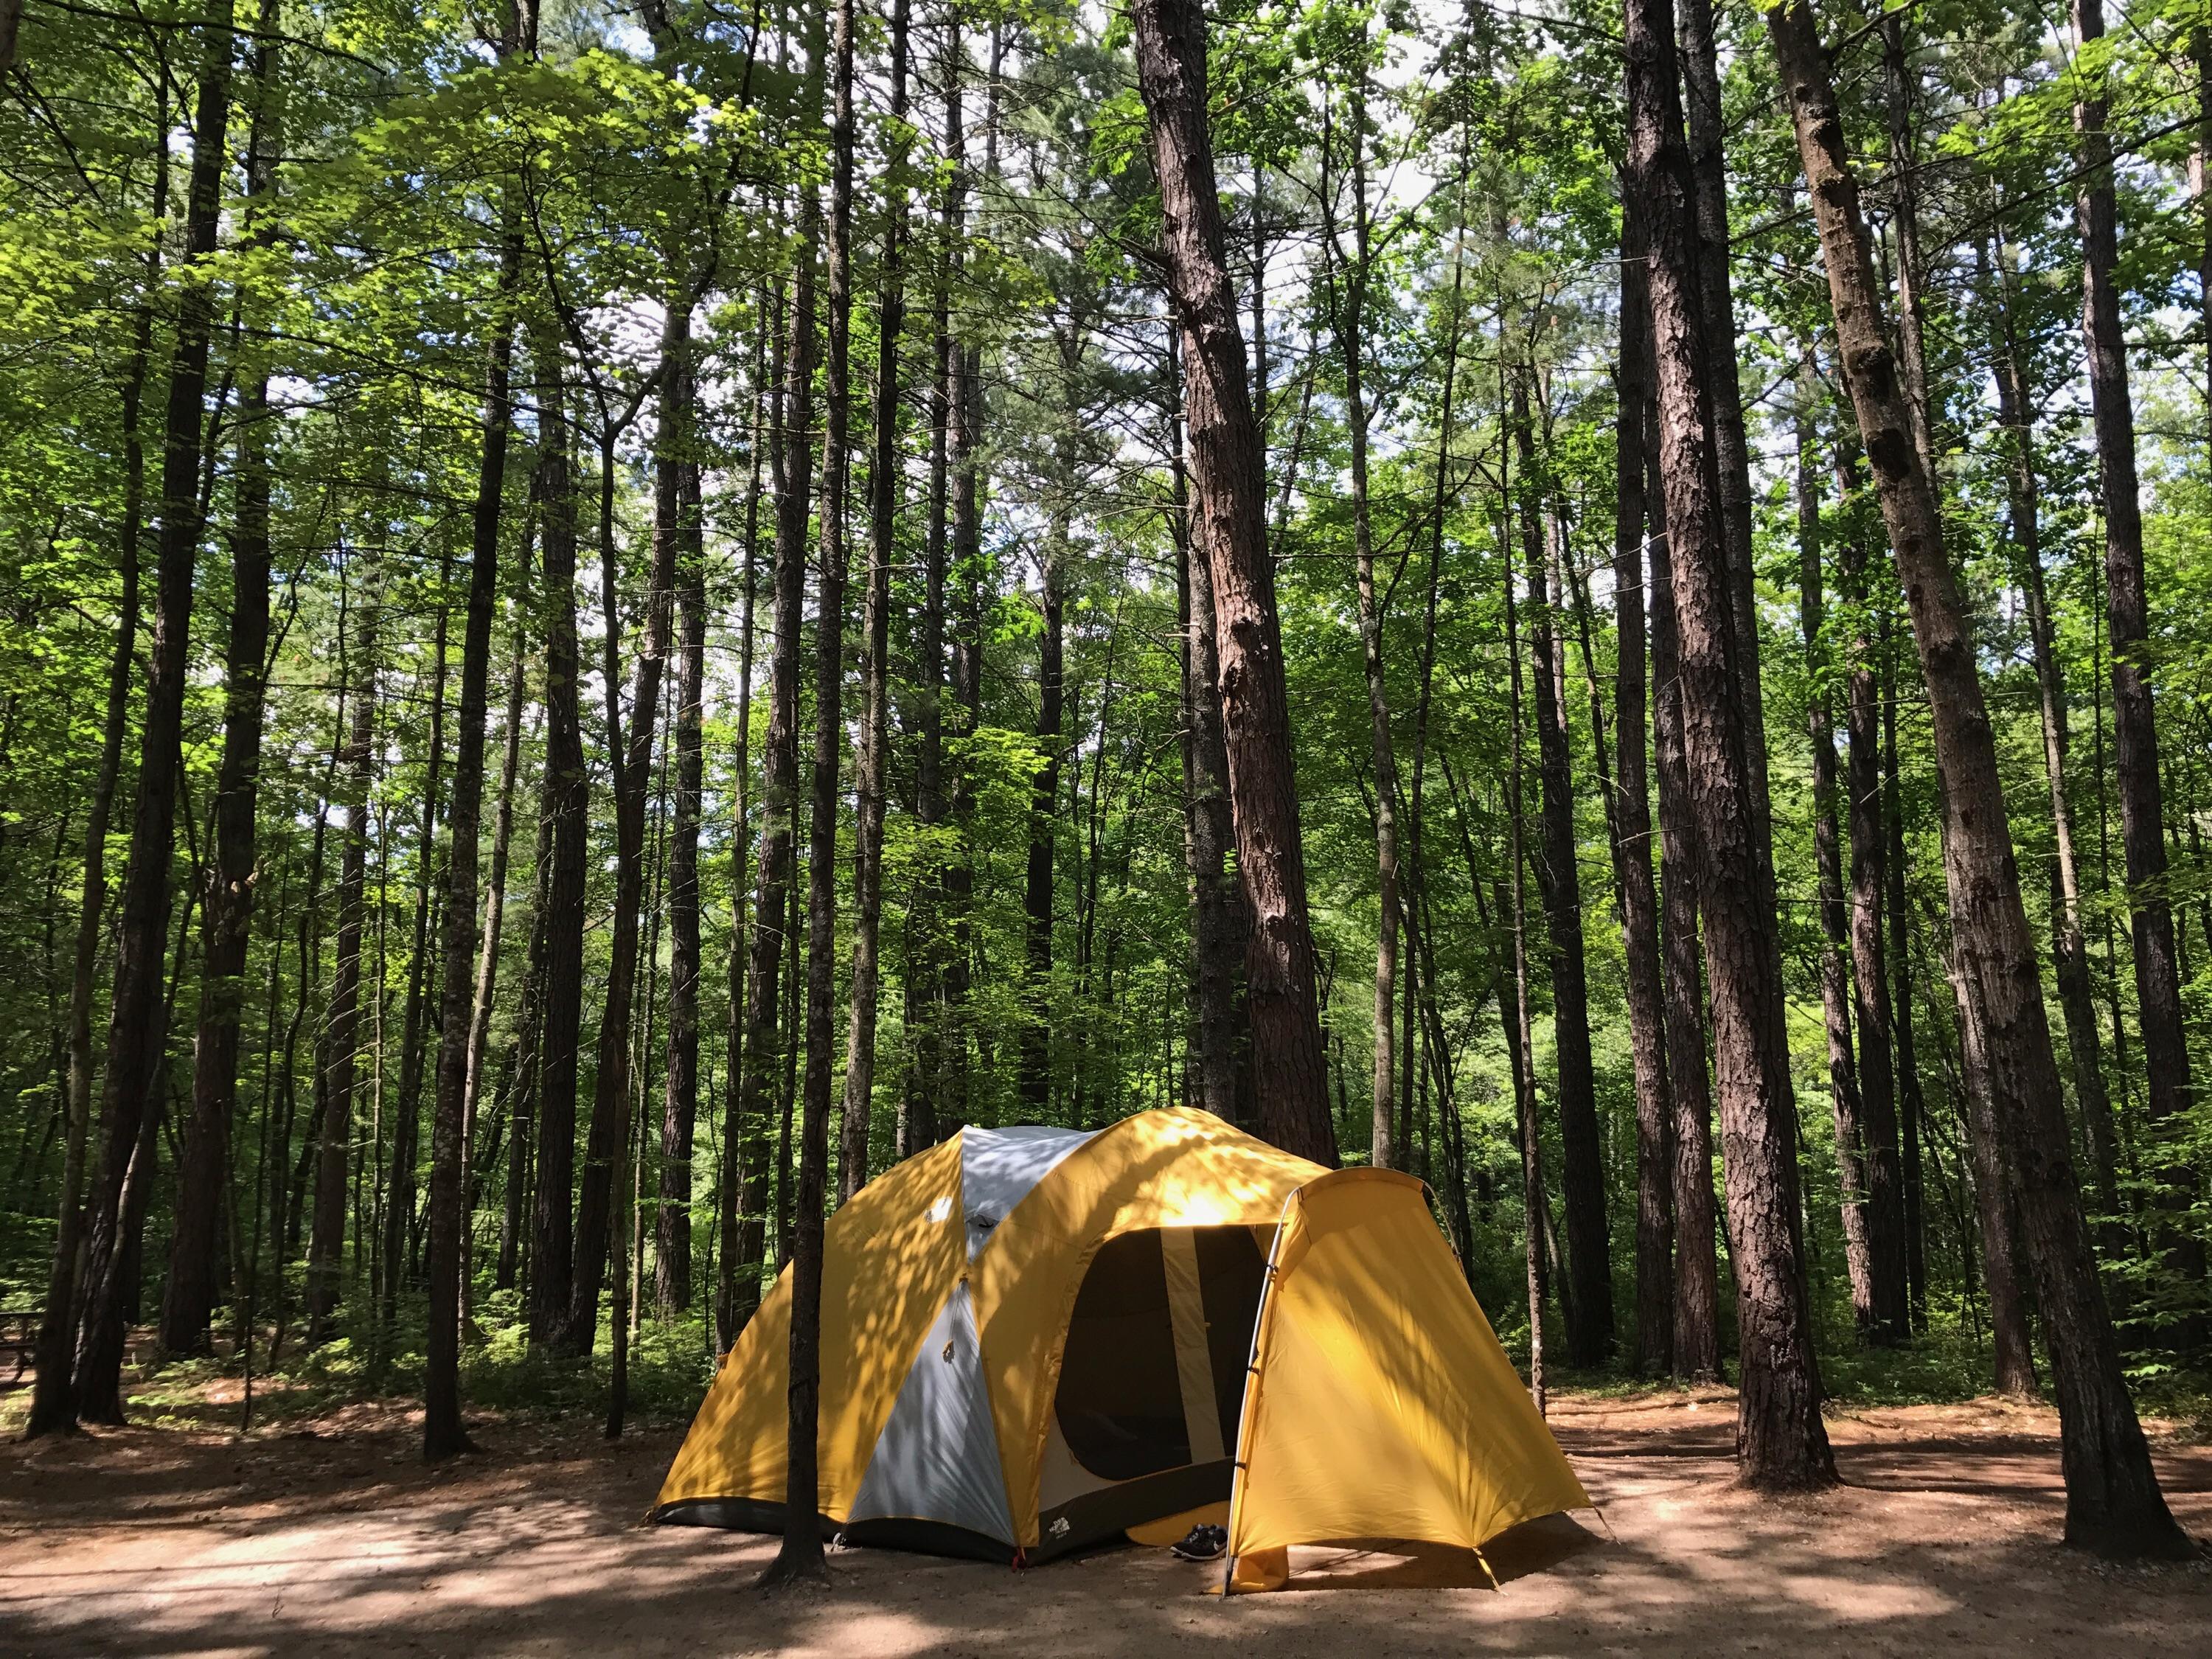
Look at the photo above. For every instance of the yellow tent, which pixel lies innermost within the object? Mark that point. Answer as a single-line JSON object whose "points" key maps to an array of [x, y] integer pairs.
{"points": [[1033, 1338]]}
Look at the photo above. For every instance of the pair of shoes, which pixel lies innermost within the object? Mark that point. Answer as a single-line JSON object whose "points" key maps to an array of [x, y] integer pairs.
{"points": [[1203, 1544]]}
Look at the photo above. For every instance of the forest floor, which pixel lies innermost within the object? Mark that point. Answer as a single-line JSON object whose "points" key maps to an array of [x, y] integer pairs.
{"points": [[331, 1537]]}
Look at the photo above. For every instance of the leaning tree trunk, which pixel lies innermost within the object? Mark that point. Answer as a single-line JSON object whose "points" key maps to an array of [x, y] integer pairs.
{"points": [[1289, 1070], [1631, 842], [2114, 1505], [1780, 1439], [137, 1022], [2135, 726]]}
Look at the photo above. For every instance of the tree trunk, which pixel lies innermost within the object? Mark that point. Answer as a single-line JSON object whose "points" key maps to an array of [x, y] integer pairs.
{"points": [[2114, 1505], [1852, 1141], [1697, 1270], [567, 804], [1631, 822], [734, 1271], [800, 1556], [53, 1399], [203, 1162], [1289, 1072], [779, 763], [1589, 1304], [1780, 1440], [1911, 1109], [1216, 942], [399, 1207], [1708, 186], [1036, 1057], [672, 1251], [1535, 1212], [1887, 1245], [870, 783], [1348, 322], [136, 1023], [2070, 948], [443, 1434], [2135, 727]]}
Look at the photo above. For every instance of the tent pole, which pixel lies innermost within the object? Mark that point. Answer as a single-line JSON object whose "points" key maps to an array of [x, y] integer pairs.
{"points": [[1251, 1389]]}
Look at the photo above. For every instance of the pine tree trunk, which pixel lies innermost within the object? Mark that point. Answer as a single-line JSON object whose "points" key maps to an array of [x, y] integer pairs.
{"points": [[734, 1271], [1888, 1235], [764, 1042], [1696, 1269], [870, 783], [1218, 927], [918, 1123], [1911, 1109], [337, 1054], [1349, 322], [567, 804], [2069, 947], [607, 1146], [53, 1398], [1035, 1062], [671, 1252], [1290, 1071], [1631, 825], [1780, 1440], [399, 1208], [2166, 1082], [1535, 1210], [2114, 1505], [1589, 1297], [227, 904], [136, 1023], [800, 1555], [1851, 1137]]}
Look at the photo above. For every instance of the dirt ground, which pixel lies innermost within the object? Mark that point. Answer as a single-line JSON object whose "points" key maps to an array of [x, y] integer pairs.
{"points": [[336, 1542]]}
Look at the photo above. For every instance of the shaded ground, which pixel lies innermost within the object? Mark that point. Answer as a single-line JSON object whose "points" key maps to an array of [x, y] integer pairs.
{"points": [[337, 1540]]}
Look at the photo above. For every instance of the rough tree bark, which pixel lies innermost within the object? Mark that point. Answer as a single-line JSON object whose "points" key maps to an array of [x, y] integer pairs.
{"points": [[1882, 1165], [227, 897], [800, 1555], [2114, 1505], [1780, 1440], [2166, 1067], [1588, 1303], [1697, 1267], [872, 777], [566, 802], [136, 1023], [1290, 1069], [1632, 820]]}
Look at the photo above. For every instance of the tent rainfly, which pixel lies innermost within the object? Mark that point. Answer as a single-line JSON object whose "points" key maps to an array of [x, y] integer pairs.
{"points": [[1035, 1338]]}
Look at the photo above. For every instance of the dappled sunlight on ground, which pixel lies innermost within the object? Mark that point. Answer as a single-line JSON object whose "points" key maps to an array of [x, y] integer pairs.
{"points": [[143, 1542]]}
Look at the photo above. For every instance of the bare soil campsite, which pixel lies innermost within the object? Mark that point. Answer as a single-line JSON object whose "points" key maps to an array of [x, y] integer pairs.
{"points": [[331, 1537]]}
